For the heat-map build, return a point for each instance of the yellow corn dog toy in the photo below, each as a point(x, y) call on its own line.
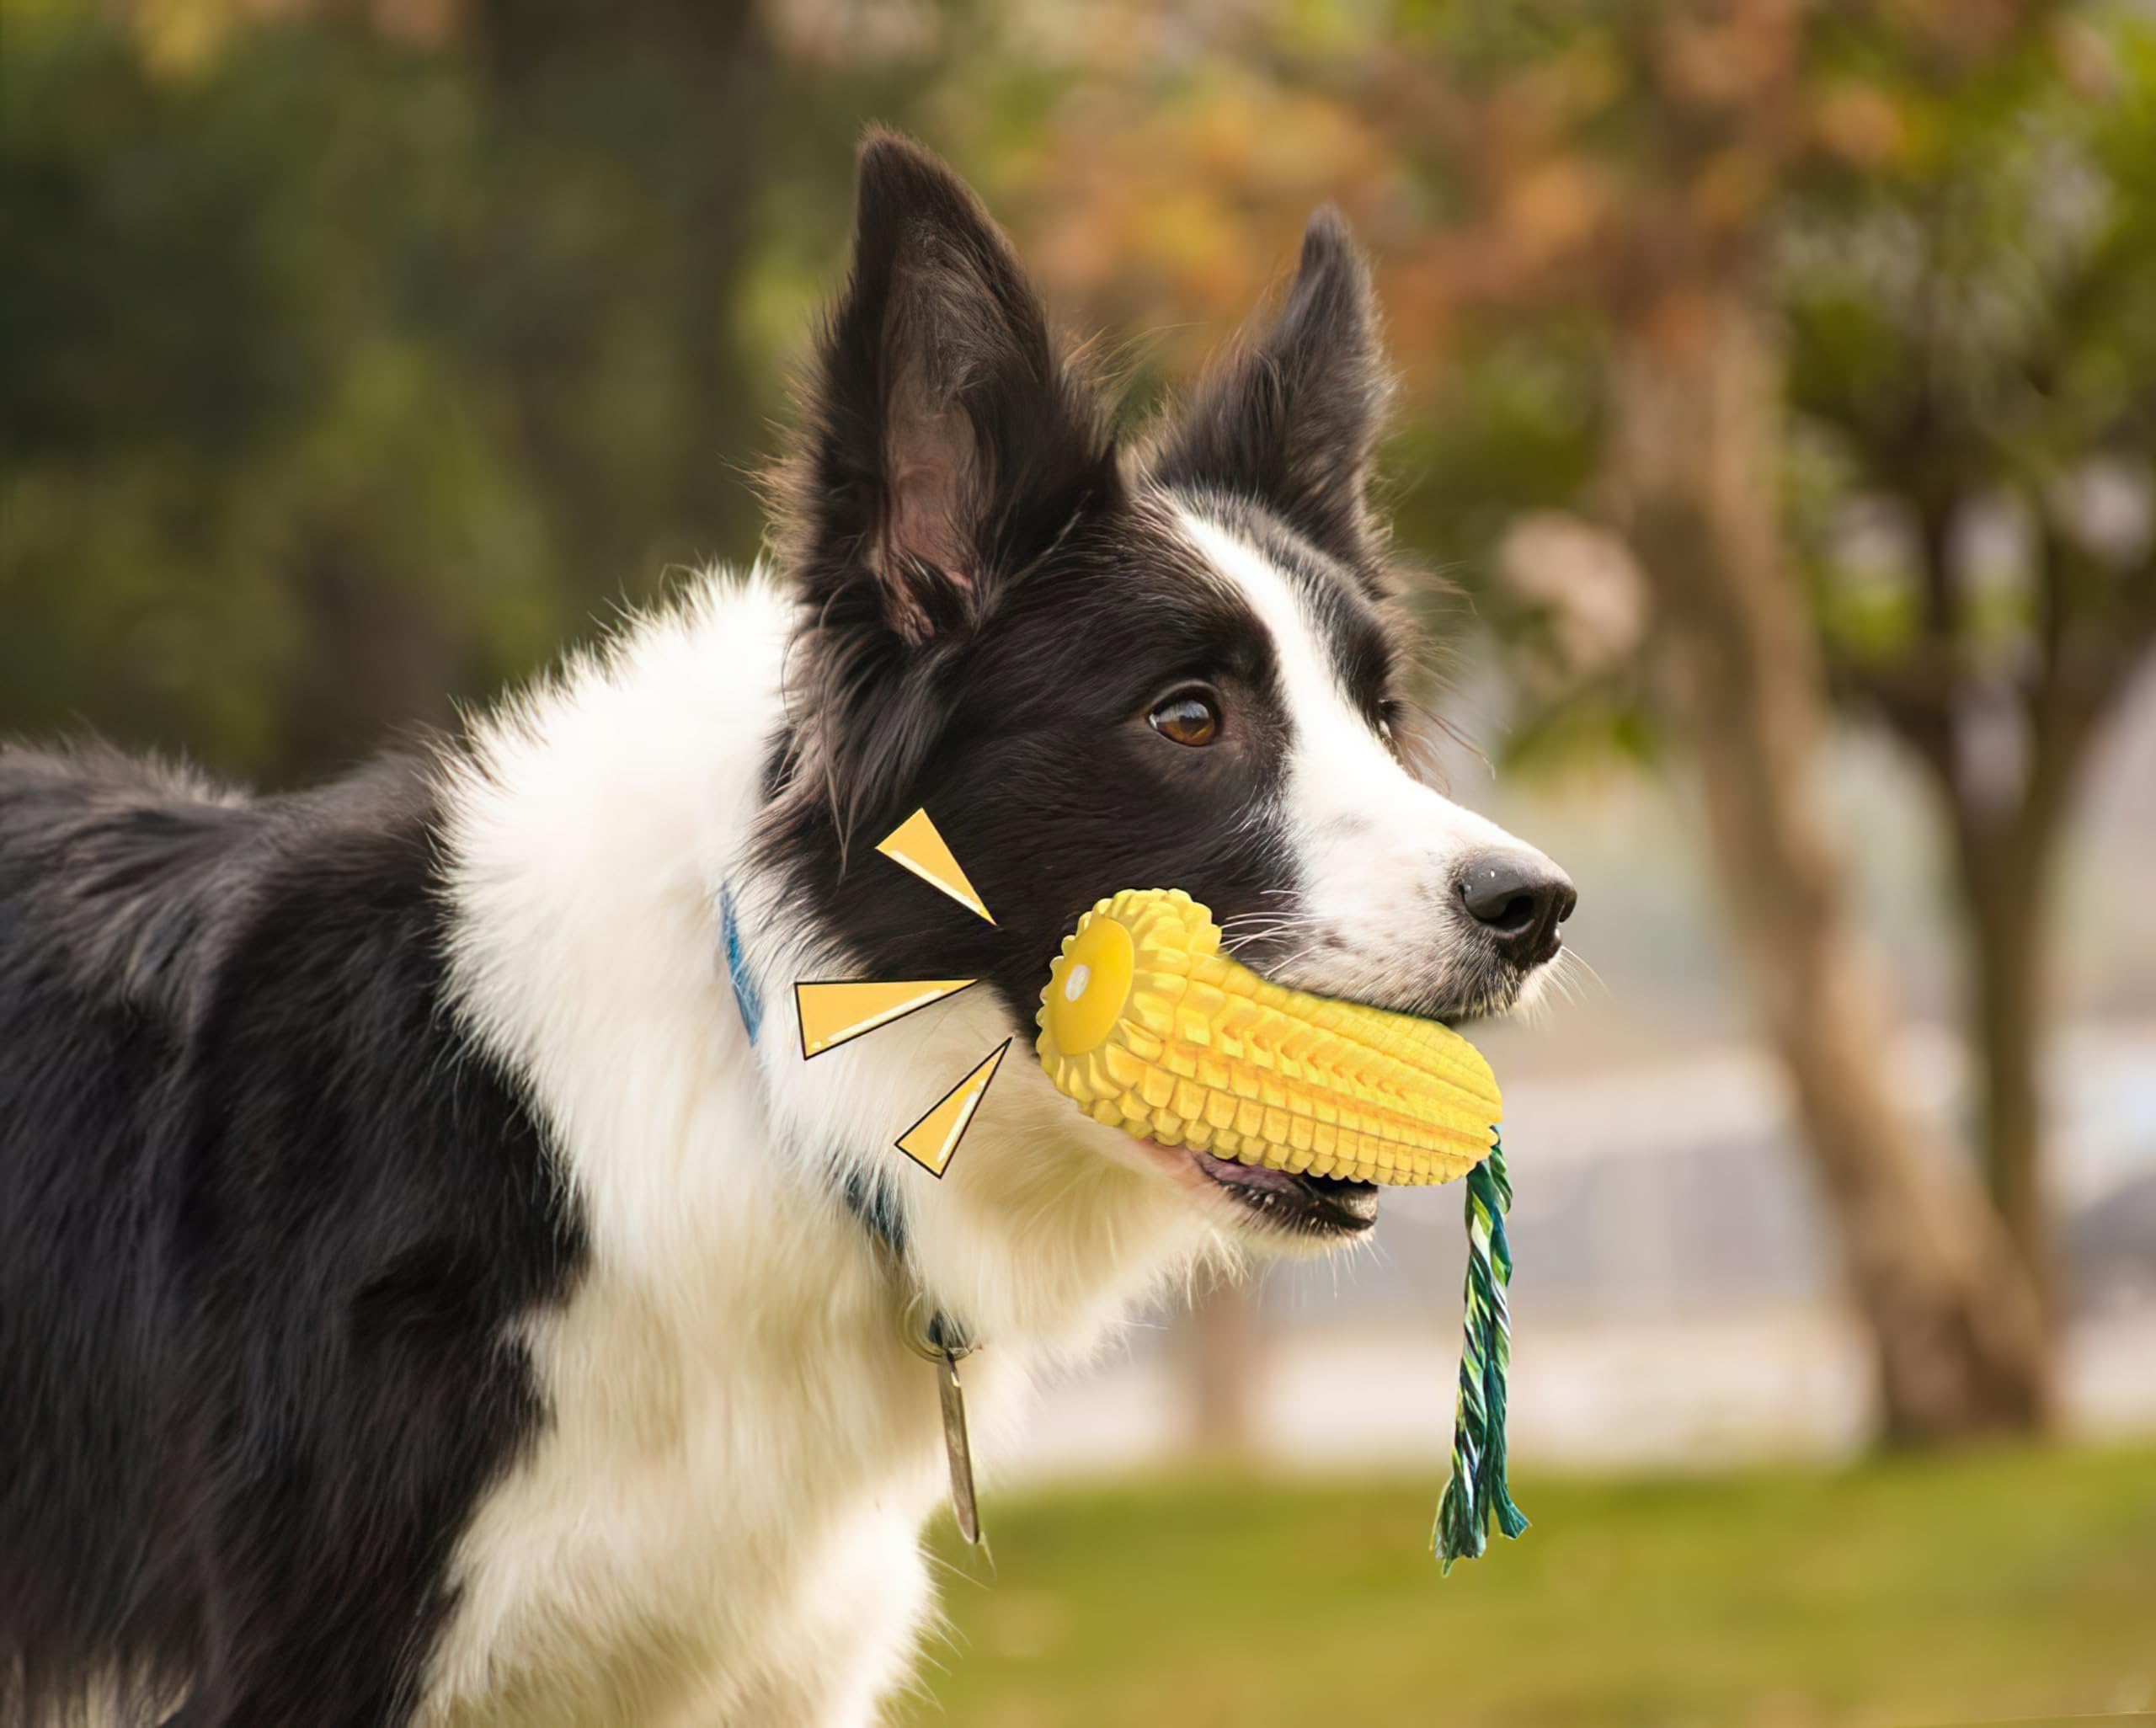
point(1148, 1026)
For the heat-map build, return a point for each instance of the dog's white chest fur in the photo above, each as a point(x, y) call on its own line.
point(718, 1527)
point(719, 1521)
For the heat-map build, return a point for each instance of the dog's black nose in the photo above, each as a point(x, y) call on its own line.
point(1520, 900)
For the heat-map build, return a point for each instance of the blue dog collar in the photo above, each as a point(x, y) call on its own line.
point(746, 997)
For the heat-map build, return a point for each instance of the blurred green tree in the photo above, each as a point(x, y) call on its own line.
point(352, 355)
point(1971, 362)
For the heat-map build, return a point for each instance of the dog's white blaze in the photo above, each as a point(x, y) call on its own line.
point(718, 1522)
point(1378, 853)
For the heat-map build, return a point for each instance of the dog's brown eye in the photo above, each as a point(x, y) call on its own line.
point(1190, 719)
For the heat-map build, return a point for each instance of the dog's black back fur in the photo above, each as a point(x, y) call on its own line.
point(264, 1217)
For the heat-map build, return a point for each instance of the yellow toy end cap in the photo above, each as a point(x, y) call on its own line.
point(1089, 985)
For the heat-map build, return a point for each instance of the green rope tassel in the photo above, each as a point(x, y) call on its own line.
point(1476, 1491)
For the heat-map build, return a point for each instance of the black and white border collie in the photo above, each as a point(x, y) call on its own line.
point(421, 1300)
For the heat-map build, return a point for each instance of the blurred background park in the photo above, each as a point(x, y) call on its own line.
point(1776, 448)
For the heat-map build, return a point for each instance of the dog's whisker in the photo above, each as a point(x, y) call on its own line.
point(1579, 963)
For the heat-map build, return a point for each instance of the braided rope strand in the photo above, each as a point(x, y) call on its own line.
point(1477, 1490)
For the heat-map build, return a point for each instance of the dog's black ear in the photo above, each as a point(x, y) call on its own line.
point(947, 438)
point(1292, 416)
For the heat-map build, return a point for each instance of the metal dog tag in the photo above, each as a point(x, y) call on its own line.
point(953, 1398)
point(925, 1333)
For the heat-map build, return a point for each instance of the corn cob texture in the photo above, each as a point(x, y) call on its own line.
point(1148, 1026)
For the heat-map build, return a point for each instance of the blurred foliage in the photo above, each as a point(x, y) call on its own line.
point(2011, 1586)
point(344, 369)
point(1973, 329)
point(352, 354)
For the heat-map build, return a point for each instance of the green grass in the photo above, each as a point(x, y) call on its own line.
point(1904, 1591)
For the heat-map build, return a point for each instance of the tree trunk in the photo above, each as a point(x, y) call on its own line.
point(1959, 1344)
point(2004, 881)
point(1221, 1355)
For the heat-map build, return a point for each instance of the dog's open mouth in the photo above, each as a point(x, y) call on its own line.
point(1299, 1205)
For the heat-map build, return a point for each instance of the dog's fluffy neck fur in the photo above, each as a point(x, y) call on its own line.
point(591, 827)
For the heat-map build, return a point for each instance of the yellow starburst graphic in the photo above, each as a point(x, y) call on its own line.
point(832, 1011)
